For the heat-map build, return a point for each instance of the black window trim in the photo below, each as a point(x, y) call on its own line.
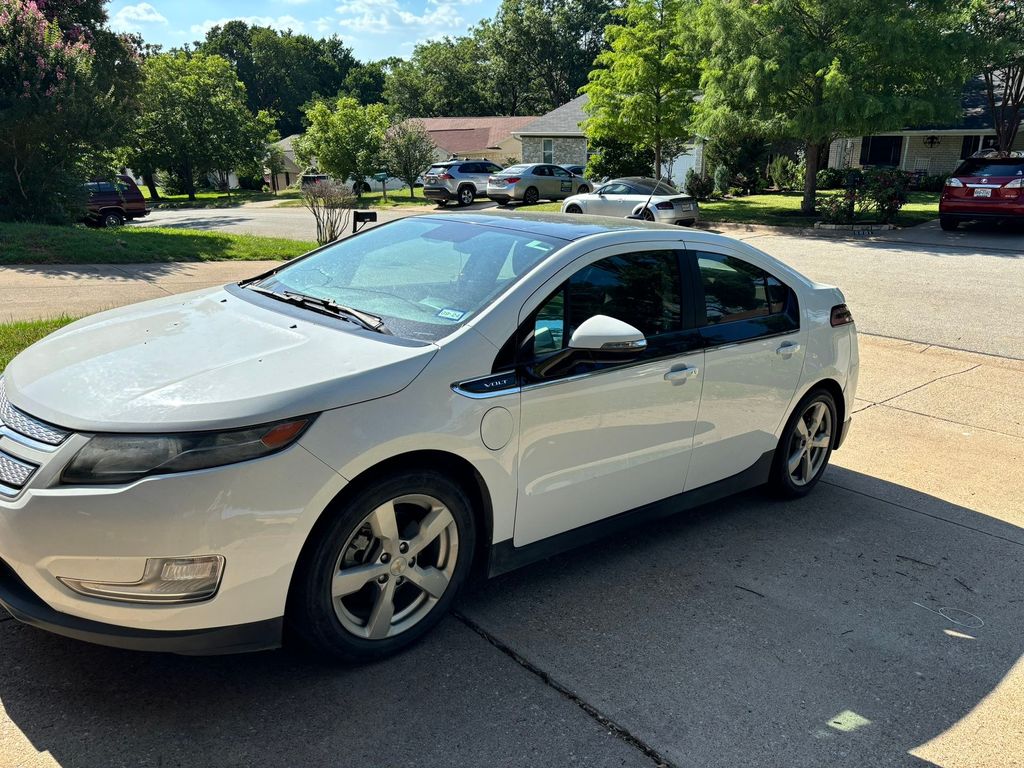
point(698, 301)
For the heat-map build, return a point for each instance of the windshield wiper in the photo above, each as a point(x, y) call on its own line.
point(326, 307)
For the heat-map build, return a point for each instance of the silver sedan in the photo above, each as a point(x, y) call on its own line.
point(531, 183)
point(637, 196)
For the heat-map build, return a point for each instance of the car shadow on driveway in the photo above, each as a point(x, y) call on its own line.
point(866, 624)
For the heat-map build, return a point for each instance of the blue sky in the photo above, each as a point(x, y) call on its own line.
point(373, 28)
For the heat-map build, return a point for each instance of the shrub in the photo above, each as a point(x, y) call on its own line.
point(698, 185)
point(780, 170)
point(886, 189)
point(930, 182)
point(839, 209)
point(723, 180)
point(331, 206)
point(831, 178)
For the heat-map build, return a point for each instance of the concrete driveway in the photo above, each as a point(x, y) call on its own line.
point(875, 623)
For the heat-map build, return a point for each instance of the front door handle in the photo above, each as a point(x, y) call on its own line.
point(682, 374)
point(788, 349)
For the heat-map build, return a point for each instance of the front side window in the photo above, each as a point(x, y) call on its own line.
point(642, 289)
point(561, 172)
point(549, 150)
point(742, 301)
point(423, 277)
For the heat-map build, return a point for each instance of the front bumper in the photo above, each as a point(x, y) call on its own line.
point(256, 514)
point(27, 607)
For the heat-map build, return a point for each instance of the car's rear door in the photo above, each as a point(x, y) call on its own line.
point(603, 436)
point(750, 322)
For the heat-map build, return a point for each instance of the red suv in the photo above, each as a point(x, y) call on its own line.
point(987, 187)
point(111, 204)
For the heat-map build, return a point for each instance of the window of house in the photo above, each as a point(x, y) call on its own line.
point(549, 150)
point(972, 144)
point(881, 150)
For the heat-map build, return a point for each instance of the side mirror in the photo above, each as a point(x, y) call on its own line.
point(606, 334)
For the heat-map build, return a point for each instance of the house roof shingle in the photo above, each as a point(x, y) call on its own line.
point(459, 135)
point(563, 121)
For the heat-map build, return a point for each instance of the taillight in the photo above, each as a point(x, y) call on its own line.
point(841, 315)
point(511, 180)
point(446, 176)
point(1015, 184)
point(664, 206)
point(954, 183)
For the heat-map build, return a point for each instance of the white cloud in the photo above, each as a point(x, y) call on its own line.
point(296, 2)
point(280, 22)
point(132, 17)
point(382, 16)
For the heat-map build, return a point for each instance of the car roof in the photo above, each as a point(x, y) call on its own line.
point(564, 226)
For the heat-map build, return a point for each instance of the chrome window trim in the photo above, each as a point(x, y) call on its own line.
point(484, 395)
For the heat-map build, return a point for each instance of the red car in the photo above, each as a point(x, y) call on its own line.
point(111, 204)
point(990, 187)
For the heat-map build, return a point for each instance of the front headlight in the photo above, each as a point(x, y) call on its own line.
point(116, 459)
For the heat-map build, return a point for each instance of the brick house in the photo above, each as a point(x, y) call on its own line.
point(486, 138)
point(933, 149)
point(558, 138)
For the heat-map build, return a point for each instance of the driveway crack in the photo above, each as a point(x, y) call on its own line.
point(928, 383)
point(620, 732)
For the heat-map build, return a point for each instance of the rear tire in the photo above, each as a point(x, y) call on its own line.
point(648, 215)
point(583, 190)
point(531, 196)
point(948, 223)
point(356, 594)
point(113, 219)
point(805, 446)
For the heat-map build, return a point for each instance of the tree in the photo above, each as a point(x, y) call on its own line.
point(366, 81)
point(612, 159)
point(347, 141)
point(330, 202)
point(281, 71)
point(643, 87)
point(408, 151)
point(997, 26)
point(67, 85)
point(443, 78)
point(274, 163)
point(194, 118)
point(815, 70)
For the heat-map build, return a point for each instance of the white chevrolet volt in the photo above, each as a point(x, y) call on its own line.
point(319, 454)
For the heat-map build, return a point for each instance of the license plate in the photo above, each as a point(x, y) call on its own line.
point(982, 192)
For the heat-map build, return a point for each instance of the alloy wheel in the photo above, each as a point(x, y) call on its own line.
point(395, 566)
point(809, 443)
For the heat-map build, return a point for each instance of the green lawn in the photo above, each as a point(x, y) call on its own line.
point(208, 199)
point(783, 209)
point(14, 337)
point(397, 199)
point(43, 244)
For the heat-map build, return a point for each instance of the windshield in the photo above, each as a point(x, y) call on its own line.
point(988, 167)
point(423, 276)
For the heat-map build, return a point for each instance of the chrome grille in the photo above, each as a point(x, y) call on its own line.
point(25, 425)
point(14, 473)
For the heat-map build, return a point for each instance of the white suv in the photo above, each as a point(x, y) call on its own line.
point(321, 452)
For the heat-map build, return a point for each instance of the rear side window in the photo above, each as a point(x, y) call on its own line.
point(516, 169)
point(471, 168)
point(986, 167)
point(742, 301)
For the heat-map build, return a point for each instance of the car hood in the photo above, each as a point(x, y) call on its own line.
point(204, 360)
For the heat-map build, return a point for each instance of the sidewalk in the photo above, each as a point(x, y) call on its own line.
point(32, 292)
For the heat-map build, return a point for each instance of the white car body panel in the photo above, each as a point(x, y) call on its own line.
point(549, 458)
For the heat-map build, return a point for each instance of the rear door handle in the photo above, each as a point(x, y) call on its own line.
point(788, 349)
point(682, 374)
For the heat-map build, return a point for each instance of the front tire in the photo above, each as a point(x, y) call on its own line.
point(805, 446)
point(466, 196)
point(384, 569)
point(948, 223)
point(573, 209)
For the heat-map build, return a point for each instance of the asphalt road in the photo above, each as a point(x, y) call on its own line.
point(963, 290)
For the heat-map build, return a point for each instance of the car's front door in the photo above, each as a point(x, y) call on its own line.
point(603, 434)
point(603, 202)
point(563, 186)
point(754, 357)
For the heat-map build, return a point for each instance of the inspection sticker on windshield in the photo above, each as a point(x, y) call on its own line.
point(451, 314)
